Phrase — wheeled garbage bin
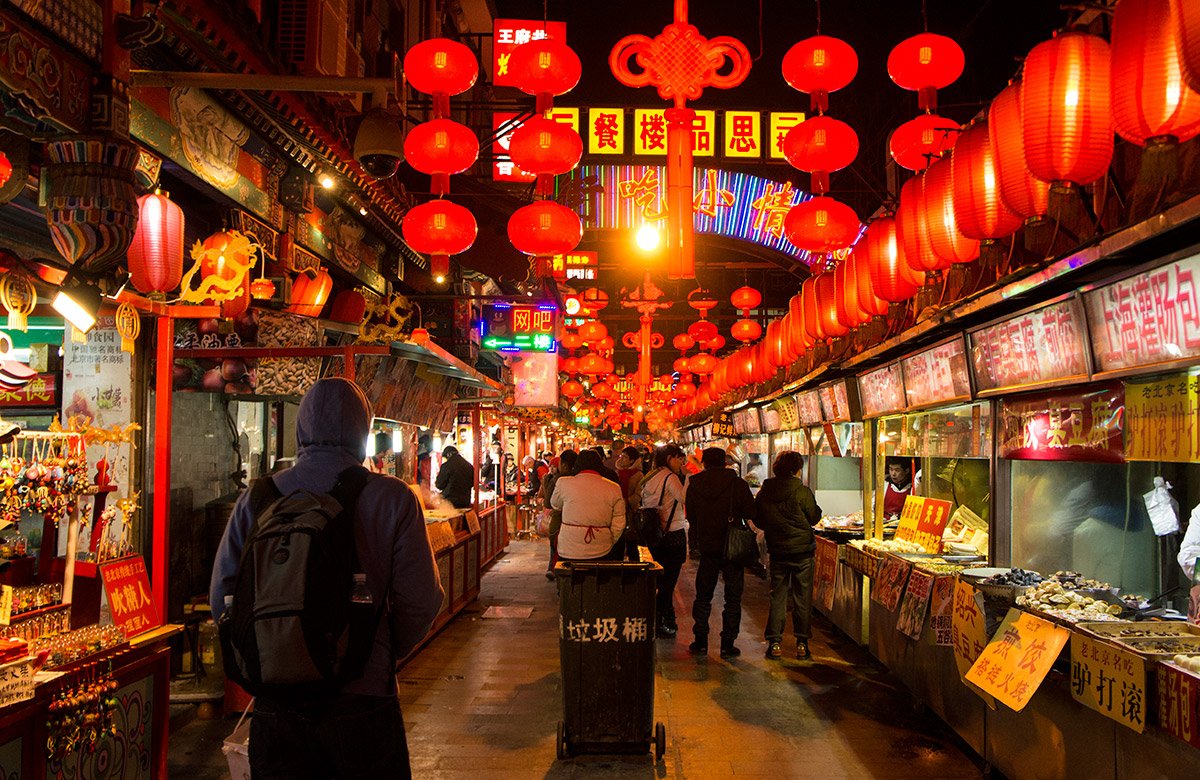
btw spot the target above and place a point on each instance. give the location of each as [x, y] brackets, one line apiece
[606, 647]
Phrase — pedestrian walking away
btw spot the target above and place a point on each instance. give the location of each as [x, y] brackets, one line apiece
[662, 488]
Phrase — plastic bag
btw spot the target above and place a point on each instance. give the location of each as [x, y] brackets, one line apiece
[1162, 508]
[542, 525]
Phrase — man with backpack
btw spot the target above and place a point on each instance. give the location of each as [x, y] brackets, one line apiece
[323, 581]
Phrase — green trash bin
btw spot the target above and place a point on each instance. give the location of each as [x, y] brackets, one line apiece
[606, 649]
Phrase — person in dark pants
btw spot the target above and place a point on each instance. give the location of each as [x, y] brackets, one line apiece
[716, 496]
[662, 488]
[455, 479]
[787, 512]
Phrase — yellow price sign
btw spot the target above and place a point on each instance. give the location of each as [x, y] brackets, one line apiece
[1015, 662]
[1110, 680]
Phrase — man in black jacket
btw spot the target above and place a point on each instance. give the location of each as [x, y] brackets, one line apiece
[455, 478]
[715, 496]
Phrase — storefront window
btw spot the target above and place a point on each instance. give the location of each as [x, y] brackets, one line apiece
[837, 469]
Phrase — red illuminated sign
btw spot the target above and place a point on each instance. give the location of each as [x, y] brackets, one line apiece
[1065, 426]
[40, 391]
[1041, 346]
[508, 34]
[128, 590]
[575, 266]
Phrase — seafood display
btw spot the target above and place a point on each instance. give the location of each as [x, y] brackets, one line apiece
[1054, 598]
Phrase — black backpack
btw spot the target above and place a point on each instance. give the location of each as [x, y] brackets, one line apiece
[293, 627]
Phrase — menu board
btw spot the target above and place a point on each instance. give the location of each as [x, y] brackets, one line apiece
[745, 421]
[1162, 419]
[1034, 348]
[835, 404]
[1065, 426]
[1153, 317]
[937, 375]
[808, 408]
[882, 391]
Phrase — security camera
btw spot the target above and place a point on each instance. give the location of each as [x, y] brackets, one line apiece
[379, 144]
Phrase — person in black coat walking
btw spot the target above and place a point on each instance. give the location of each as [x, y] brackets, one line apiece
[455, 478]
[715, 497]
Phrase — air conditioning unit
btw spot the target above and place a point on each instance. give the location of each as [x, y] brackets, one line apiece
[311, 35]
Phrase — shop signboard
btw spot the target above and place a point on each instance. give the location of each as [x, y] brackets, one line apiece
[835, 404]
[923, 520]
[916, 600]
[508, 328]
[17, 682]
[1018, 658]
[1146, 319]
[882, 391]
[1038, 347]
[575, 266]
[42, 390]
[937, 376]
[128, 591]
[808, 408]
[941, 611]
[1162, 419]
[504, 124]
[968, 632]
[535, 379]
[889, 583]
[788, 413]
[508, 34]
[825, 571]
[1179, 703]
[722, 426]
[1083, 426]
[1109, 680]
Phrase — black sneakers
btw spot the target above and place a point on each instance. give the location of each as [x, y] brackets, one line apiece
[730, 651]
[774, 651]
[698, 648]
[802, 651]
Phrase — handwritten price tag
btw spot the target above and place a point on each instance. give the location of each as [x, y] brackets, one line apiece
[1015, 662]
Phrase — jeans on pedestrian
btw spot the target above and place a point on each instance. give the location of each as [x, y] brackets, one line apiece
[347, 736]
[734, 577]
[791, 591]
[670, 554]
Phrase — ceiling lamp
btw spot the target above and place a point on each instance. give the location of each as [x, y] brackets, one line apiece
[892, 277]
[979, 211]
[1066, 114]
[820, 65]
[924, 64]
[439, 148]
[439, 228]
[1025, 195]
[545, 68]
[546, 149]
[918, 141]
[821, 225]
[79, 304]
[820, 146]
[441, 67]
[155, 255]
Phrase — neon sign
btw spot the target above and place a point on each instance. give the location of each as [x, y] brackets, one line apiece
[506, 328]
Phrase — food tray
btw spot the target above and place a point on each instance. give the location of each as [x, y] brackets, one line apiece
[1181, 645]
[1119, 631]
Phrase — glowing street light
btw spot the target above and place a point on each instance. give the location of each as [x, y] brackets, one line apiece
[648, 238]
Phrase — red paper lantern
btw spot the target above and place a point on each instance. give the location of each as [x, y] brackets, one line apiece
[546, 149]
[156, 253]
[745, 331]
[571, 389]
[262, 289]
[820, 146]
[702, 300]
[918, 141]
[869, 303]
[592, 331]
[683, 342]
[682, 365]
[441, 67]
[1026, 196]
[591, 364]
[702, 363]
[745, 298]
[6, 169]
[1151, 103]
[912, 227]
[605, 344]
[892, 278]
[822, 225]
[439, 228]
[309, 293]
[685, 390]
[349, 306]
[926, 63]
[820, 65]
[1066, 115]
[545, 68]
[716, 343]
[826, 297]
[441, 147]
[602, 390]
[845, 283]
[571, 340]
[945, 238]
[979, 211]
[702, 330]
[1185, 16]
[545, 228]
[799, 334]
[570, 365]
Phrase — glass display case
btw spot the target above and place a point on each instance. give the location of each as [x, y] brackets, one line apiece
[836, 468]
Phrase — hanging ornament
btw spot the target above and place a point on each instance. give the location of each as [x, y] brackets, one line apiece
[439, 228]
[440, 148]
[745, 298]
[18, 297]
[441, 67]
[979, 211]
[545, 68]
[155, 256]
[544, 229]
[892, 277]
[820, 146]
[129, 325]
[917, 142]
[820, 65]
[821, 225]
[262, 289]
[545, 148]
[1025, 195]
[924, 64]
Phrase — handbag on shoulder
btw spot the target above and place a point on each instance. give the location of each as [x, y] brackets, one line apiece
[741, 544]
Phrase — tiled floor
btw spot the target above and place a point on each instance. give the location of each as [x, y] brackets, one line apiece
[484, 698]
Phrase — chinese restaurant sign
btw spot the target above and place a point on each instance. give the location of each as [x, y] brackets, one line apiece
[1150, 318]
[650, 132]
[128, 591]
[743, 134]
[916, 601]
[518, 328]
[1065, 426]
[535, 379]
[941, 611]
[1179, 703]
[1015, 662]
[808, 407]
[882, 391]
[575, 266]
[1041, 346]
[923, 520]
[968, 632]
[835, 406]
[508, 34]
[606, 130]
[722, 425]
[825, 571]
[889, 583]
[1109, 680]
[42, 390]
[937, 375]
[1162, 419]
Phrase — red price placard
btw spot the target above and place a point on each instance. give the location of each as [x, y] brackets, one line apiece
[128, 590]
[923, 521]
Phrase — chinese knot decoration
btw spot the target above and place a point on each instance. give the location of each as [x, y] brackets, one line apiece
[680, 63]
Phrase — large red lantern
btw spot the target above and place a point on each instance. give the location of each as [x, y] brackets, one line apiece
[945, 238]
[822, 225]
[571, 389]
[545, 228]
[825, 294]
[683, 342]
[845, 284]
[745, 298]
[745, 331]
[1151, 103]
[602, 390]
[703, 363]
[682, 365]
[918, 141]
[892, 278]
[349, 307]
[1185, 17]
[441, 67]
[979, 211]
[545, 68]
[1066, 115]
[1025, 195]
[926, 63]
[820, 65]
[812, 323]
[156, 253]
[441, 147]
[546, 149]
[799, 335]
[309, 293]
[702, 330]
[820, 146]
[592, 331]
[913, 229]
[439, 228]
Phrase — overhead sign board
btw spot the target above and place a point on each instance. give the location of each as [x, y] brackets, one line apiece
[508, 328]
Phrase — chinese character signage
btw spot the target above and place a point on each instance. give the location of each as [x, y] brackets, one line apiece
[1150, 318]
[508, 34]
[649, 131]
[889, 583]
[1109, 680]
[824, 572]
[916, 600]
[1064, 426]
[564, 116]
[923, 520]
[42, 390]
[606, 131]
[968, 631]
[882, 391]
[1041, 346]
[506, 328]
[780, 123]
[937, 375]
[128, 591]
[941, 611]
[835, 403]
[808, 407]
[743, 134]
[16, 682]
[1015, 662]
[1179, 703]
[1162, 419]
[535, 379]
[504, 124]
[722, 425]
[575, 266]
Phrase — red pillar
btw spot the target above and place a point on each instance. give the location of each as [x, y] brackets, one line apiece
[159, 556]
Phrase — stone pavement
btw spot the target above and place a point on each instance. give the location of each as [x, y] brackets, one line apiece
[484, 697]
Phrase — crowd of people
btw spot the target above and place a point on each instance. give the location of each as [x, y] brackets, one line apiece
[597, 505]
